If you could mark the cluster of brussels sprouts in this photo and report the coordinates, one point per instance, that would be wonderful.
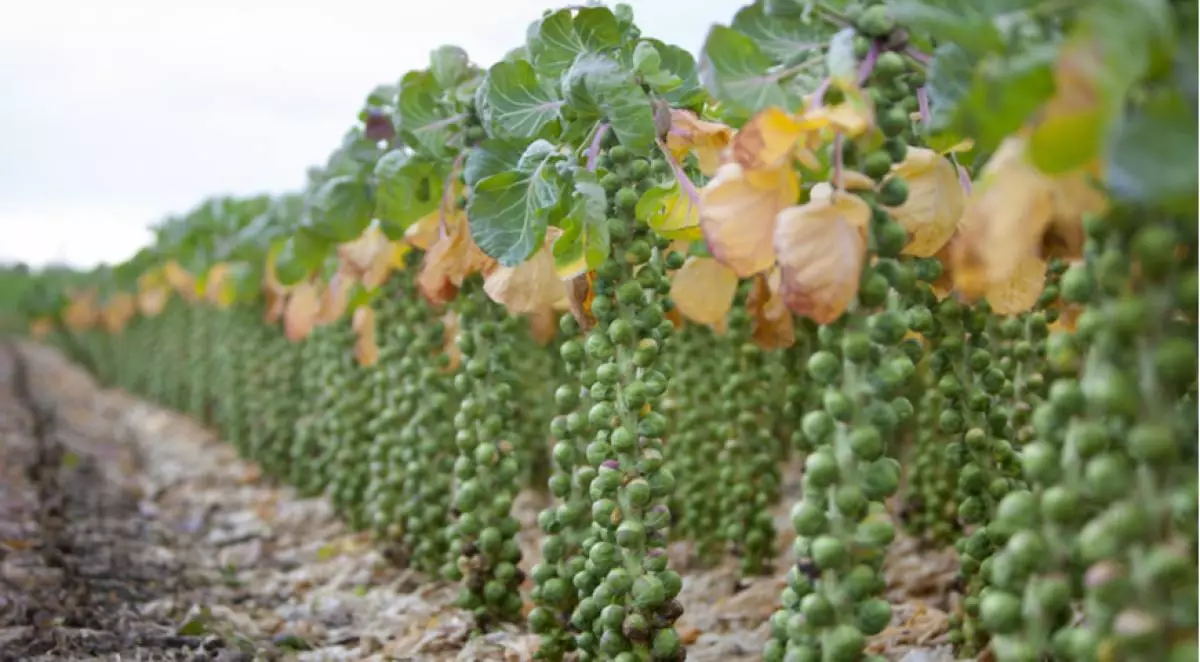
(694, 448)
(618, 578)
(750, 459)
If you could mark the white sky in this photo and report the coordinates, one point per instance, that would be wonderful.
(114, 114)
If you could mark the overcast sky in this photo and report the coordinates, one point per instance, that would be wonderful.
(114, 114)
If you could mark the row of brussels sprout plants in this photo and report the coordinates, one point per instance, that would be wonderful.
(942, 255)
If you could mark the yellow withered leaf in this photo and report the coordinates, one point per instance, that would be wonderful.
(531, 286)
(821, 247)
(151, 301)
(117, 312)
(773, 326)
(422, 234)
(543, 325)
(81, 312)
(769, 139)
(935, 201)
(180, 280)
(41, 327)
(703, 289)
(366, 349)
(1004, 220)
(448, 262)
(1020, 292)
(451, 327)
(219, 289)
(737, 215)
(707, 140)
(671, 213)
(333, 298)
(300, 316)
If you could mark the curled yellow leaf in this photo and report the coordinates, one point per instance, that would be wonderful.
(366, 349)
(333, 298)
(543, 325)
(180, 280)
(531, 286)
(41, 327)
(769, 139)
(451, 327)
(821, 247)
(1020, 292)
(449, 261)
(737, 215)
(117, 312)
(422, 234)
(300, 315)
(371, 257)
(703, 289)
(707, 140)
(773, 326)
(935, 201)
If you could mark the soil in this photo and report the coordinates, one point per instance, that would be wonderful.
(129, 532)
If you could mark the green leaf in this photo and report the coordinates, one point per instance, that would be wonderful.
(423, 119)
(598, 84)
(840, 61)
(738, 73)
(343, 208)
(676, 61)
(1152, 156)
(970, 24)
(997, 98)
(559, 38)
(513, 103)
(490, 157)
(449, 66)
(585, 241)
(787, 39)
(510, 211)
(409, 188)
(646, 58)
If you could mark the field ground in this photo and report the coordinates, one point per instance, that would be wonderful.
(130, 532)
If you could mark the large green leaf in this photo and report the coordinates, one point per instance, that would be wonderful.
(681, 64)
(585, 241)
(343, 208)
(513, 103)
(424, 120)
(598, 84)
(491, 157)
(560, 37)
(408, 188)
(989, 99)
(739, 74)
(510, 211)
(973, 25)
(1152, 156)
(449, 66)
(786, 39)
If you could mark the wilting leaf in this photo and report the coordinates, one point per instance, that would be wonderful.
(333, 298)
(703, 291)
(707, 140)
(117, 312)
(366, 350)
(768, 139)
(821, 247)
(301, 314)
(449, 261)
(451, 327)
(670, 212)
(422, 234)
(530, 286)
(935, 202)
(737, 215)
(773, 326)
(1021, 291)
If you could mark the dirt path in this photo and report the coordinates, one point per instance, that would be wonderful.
(130, 532)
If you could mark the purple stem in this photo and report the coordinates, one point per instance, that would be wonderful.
(964, 179)
(918, 55)
(594, 148)
(923, 104)
(868, 64)
(838, 161)
(685, 184)
(819, 94)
